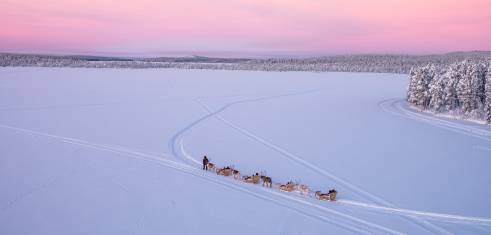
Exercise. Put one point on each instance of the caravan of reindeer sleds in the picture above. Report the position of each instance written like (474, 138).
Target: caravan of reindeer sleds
(267, 181)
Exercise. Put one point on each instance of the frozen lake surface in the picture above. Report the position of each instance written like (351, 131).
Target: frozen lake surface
(118, 151)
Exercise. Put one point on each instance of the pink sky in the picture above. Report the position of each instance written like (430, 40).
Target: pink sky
(238, 27)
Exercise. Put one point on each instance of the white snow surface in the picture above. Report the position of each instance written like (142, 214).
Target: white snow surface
(118, 151)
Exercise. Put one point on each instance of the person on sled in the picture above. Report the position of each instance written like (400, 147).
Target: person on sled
(205, 163)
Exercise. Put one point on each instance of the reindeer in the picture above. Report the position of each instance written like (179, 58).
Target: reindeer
(252, 179)
(267, 181)
(235, 172)
(304, 189)
(332, 194)
(211, 166)
(288, 187)
(322, 196)
(226, 171)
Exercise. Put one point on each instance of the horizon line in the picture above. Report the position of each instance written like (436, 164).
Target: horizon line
(221, 54)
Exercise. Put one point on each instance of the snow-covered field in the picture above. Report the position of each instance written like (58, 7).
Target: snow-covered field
(118, 151)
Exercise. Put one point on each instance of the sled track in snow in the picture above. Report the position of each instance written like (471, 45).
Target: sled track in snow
(353, 224)
(176, 143)
(424, 224)
(428, 215)
(238, 186)
(321, 213)
(399, 108)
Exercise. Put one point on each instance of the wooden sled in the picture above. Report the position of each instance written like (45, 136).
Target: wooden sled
(331, 196)
(289, 187)
(224, 171)
(252, 179)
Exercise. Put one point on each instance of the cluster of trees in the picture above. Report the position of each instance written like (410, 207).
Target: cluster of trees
(462, 89)
(346, 63)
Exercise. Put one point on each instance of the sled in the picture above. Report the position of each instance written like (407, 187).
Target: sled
(331, 196)
(303, 189)
(252, 179)
(289, 187)
(224, 172)
(322, 196)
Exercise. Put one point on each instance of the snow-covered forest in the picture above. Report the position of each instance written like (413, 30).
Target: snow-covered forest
(461, 89)
(343, 63)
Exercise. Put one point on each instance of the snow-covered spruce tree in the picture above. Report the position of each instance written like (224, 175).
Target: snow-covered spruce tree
(478, 85)
(412, 91)
(418, 89)
(463, 88)
(437, 91)
(450, 91)
(470, 89)
(488, 94)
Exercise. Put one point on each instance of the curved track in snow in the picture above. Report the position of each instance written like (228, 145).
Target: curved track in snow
(177, 147)
(293, 202)
(315, 211)
(323, 213)
(400, 108)
(422, 223)
(423, 214)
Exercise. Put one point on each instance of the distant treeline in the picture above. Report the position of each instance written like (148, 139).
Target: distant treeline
(346, 63)
(461, 89)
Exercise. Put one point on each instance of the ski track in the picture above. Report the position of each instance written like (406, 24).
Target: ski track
(176, 142)
(395, 106)
(301, 200)
(428, 215)
(176, 138)
(206, 176)
(353, 223)
(424, 224)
